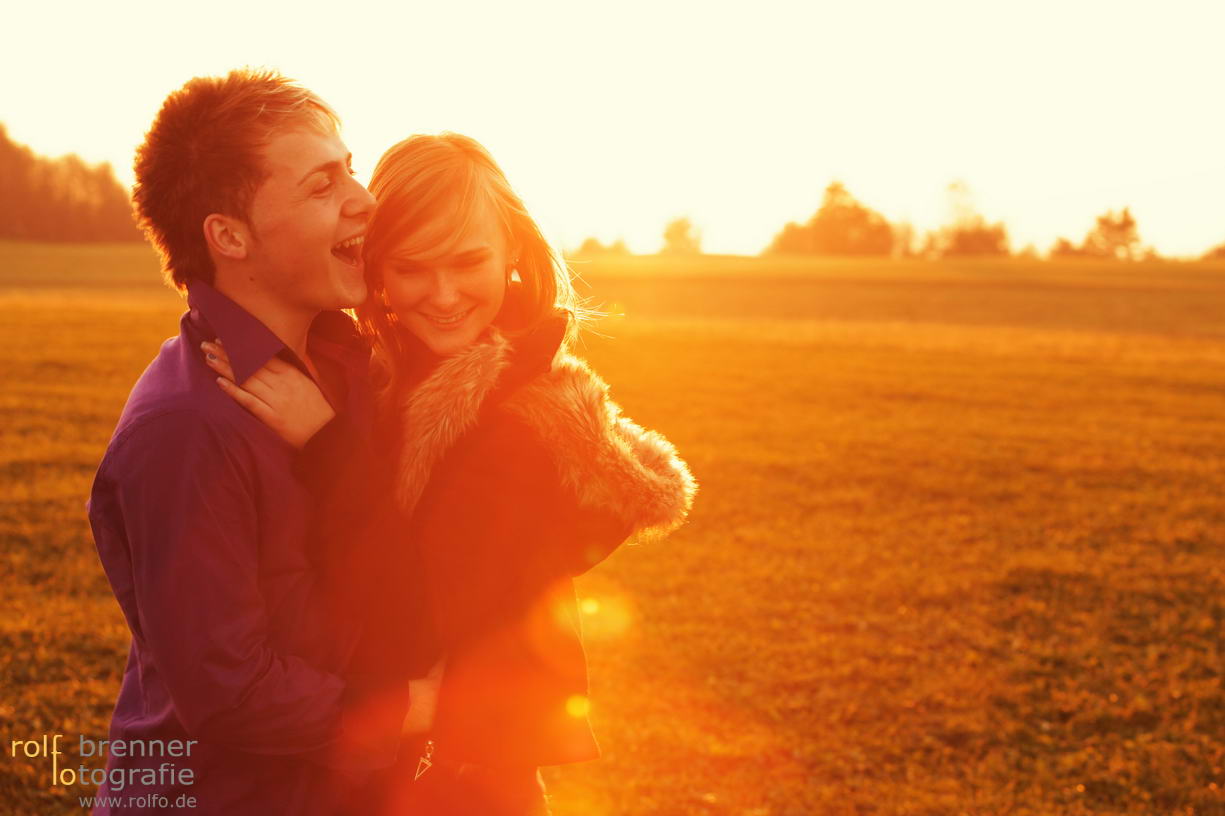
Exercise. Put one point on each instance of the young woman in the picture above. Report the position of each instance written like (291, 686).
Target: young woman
(508, 470)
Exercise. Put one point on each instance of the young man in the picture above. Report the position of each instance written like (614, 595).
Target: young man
(199, 516)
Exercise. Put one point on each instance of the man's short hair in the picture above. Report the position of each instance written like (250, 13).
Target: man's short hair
(203, 155)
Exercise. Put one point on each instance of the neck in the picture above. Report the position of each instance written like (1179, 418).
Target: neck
(289, 323)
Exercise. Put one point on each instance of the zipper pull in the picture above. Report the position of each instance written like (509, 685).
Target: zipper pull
(424, 763)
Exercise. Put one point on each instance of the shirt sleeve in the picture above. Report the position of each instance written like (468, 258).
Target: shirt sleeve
(188, 507)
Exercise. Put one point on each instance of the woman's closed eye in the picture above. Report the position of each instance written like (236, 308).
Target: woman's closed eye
(408, 270)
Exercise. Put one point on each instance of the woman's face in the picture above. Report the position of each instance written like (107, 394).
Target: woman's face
(449, 295)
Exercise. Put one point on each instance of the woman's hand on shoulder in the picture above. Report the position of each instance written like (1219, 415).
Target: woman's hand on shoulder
(279, 395)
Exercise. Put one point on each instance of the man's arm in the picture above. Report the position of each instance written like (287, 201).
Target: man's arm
(188, 507)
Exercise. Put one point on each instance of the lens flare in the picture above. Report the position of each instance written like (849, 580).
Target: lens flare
(578, 705)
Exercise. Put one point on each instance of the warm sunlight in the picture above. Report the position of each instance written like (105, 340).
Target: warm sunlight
(862, 453)
(613, 121)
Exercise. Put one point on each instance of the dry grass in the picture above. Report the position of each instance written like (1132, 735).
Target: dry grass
(958, 547)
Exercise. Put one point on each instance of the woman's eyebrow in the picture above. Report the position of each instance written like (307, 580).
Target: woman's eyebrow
(476, 253)
(471, 254)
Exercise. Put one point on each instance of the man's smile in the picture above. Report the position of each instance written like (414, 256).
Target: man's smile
(350, 250)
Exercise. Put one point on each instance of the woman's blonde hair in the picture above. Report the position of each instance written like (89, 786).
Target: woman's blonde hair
(425, 175)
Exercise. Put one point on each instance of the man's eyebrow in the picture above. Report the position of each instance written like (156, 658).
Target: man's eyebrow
(329, 166)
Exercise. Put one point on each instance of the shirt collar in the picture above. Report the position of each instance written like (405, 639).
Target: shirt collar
(248, 342)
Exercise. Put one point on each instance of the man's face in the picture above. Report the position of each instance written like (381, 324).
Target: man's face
(309, 219)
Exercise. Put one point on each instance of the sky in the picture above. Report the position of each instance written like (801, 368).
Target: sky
(610, 119)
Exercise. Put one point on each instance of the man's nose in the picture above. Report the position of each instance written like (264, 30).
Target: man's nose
(361, 203)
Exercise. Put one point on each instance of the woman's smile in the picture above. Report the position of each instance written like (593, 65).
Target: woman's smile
(447, 322)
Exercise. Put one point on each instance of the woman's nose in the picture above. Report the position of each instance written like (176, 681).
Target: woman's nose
(444, 294)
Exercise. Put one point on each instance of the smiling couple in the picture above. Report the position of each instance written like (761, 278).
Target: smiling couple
(345, 548)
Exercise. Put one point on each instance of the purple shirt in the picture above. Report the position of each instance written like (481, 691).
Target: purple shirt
(202, 526)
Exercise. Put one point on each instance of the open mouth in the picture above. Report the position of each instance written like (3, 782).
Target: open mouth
(450, 320)
(350, 250)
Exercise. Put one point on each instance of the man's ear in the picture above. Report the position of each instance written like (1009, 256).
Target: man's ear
(227, 236)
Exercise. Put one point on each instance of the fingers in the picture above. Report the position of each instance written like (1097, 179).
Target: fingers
(266, 388)
(274, 385)
(260, 384)
(218, 348)
(278, 366)
(269, 376)
(281, 377)
(216, 359)
(246, 399)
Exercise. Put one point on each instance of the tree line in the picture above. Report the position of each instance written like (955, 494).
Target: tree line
(65, 199)
(843, 226)
(62, 199)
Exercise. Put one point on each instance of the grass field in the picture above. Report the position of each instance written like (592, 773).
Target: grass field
(958, 550)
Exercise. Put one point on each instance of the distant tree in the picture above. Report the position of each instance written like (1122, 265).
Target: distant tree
(1063, 248)
(1114, 236)
(904, 240)
(592, 248)
(971, 238)
(1215, 254)
(968, 234)
(841, 226)
(60, 199)
(681, 237)
(792, 240)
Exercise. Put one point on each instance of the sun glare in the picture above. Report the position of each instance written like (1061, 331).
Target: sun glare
(578, 705)
(1048, 126)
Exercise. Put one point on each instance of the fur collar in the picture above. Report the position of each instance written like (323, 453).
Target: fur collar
(606, 460)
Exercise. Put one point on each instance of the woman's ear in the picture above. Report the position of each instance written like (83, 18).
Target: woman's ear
(228, 237)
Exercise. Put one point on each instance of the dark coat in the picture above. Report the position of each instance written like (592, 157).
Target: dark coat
(510, 493)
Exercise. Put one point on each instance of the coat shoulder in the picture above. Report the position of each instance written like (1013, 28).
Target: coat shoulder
(560, 424)
(603, 458)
